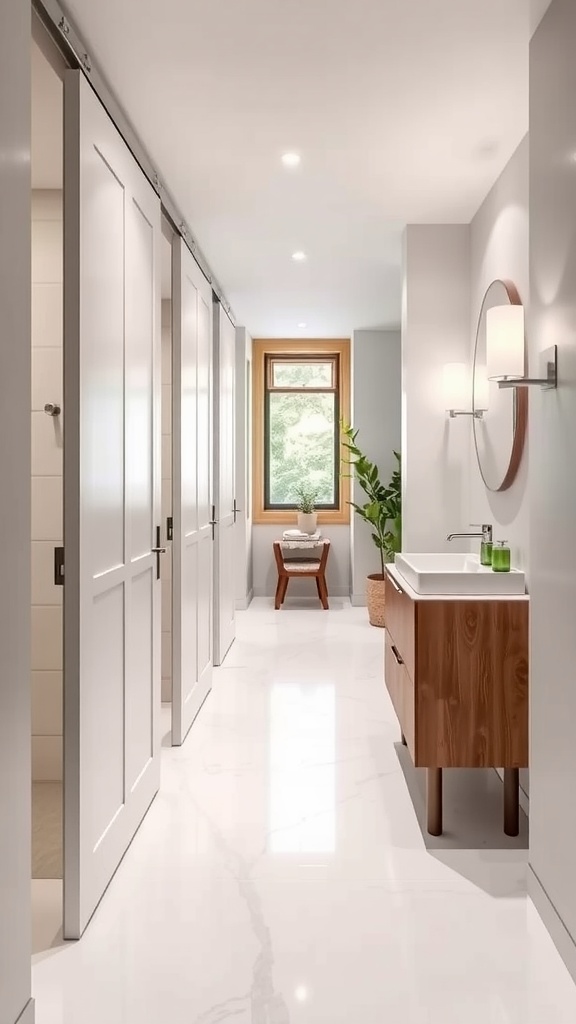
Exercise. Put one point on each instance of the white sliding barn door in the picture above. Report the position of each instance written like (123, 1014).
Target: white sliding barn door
(224, 484)
(112, 500)
(192, 545)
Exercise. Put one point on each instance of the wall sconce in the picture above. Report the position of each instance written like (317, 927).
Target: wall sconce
(458, 391)
(505, 347)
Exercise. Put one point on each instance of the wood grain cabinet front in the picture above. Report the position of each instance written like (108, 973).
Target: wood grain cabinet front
(457, 674)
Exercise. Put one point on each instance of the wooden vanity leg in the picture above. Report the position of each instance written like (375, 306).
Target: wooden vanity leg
(511, 801)
(434, 800)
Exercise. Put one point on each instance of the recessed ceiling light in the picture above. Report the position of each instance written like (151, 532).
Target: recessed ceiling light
(302, 325)
(299, 256)
(291, 159)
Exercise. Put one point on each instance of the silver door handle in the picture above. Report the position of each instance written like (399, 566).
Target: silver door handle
(158, 550)
(235, 510)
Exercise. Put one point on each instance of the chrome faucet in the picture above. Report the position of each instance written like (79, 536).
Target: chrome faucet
(485, 535)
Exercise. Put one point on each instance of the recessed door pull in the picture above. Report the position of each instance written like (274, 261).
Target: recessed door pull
(396, 655)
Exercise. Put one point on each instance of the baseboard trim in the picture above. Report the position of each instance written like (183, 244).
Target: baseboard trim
(358, 600)
(27, 1015)
(554, 924)
(242, 603)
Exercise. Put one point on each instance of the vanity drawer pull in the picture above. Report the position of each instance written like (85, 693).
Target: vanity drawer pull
(394, 584)
(396, 655)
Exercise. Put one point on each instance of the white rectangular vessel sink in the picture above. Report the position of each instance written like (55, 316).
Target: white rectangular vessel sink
(452, 574)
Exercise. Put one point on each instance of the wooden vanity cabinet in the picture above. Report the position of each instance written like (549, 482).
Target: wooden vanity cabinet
(457, 673)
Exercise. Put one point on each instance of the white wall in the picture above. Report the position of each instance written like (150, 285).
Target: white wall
(47, 494)
(499, 249)
(244, 583)
(435, 331)
(15, 368)
(552, 484)
(376, 413)
(166, 563)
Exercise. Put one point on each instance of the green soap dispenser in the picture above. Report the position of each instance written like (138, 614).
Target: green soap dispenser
(501, 556)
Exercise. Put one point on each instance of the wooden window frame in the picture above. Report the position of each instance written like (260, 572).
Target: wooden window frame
(309, 347)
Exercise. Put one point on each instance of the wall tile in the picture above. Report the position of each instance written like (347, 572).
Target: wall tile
(166, 498)
(47, 758)
(47, 251)
(46, 640)
(47, 382)
(47, 315)
(47, 204)
(47, 507)
(47, 704)
(166, 409)
(166, 456)
(42, 575)
(166, 355)
(47, 445)
(166, 565)
(166, 605)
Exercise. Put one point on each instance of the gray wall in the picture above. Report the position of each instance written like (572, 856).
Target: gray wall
(15, 352)
(552, 485)
(376, 413)
(499, 249)
(243, 467)
(435, 331)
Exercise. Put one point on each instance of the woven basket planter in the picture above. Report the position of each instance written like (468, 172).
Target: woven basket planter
(376, 599)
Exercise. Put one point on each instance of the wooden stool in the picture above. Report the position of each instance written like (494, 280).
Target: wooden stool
(315, 568)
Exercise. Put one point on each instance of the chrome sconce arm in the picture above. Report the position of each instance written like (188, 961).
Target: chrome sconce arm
(548, 380)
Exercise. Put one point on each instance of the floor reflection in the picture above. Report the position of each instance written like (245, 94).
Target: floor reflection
(302, 768)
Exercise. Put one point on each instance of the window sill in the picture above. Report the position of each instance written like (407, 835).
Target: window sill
(340, 517)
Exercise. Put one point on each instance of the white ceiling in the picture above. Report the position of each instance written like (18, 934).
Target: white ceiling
(404, 111)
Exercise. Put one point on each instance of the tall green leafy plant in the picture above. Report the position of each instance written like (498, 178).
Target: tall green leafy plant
(383, 509)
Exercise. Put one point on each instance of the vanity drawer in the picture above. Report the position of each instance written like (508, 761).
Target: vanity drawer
(401, 690)
(400, 623)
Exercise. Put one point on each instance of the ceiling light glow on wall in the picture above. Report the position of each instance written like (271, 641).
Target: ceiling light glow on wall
(291, 159)
(506, 346)
(457, 389)
(299, 256)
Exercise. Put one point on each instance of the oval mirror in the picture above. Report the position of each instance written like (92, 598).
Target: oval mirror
(500, 414)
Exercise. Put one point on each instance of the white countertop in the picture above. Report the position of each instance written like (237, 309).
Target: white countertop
(393, 571)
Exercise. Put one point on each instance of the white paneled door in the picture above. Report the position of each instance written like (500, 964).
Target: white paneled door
(112, 500)
(193, 513)
(224, 484)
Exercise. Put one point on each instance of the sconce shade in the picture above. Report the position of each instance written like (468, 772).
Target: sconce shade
(457, 389)
(505, 342)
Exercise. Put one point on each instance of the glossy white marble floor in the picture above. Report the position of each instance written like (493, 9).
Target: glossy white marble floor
(281, 877)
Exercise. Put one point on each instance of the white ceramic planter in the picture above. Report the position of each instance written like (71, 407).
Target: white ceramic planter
(307, 522)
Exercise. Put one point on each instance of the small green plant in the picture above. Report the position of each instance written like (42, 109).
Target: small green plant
(383, 510)
(307, 499)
